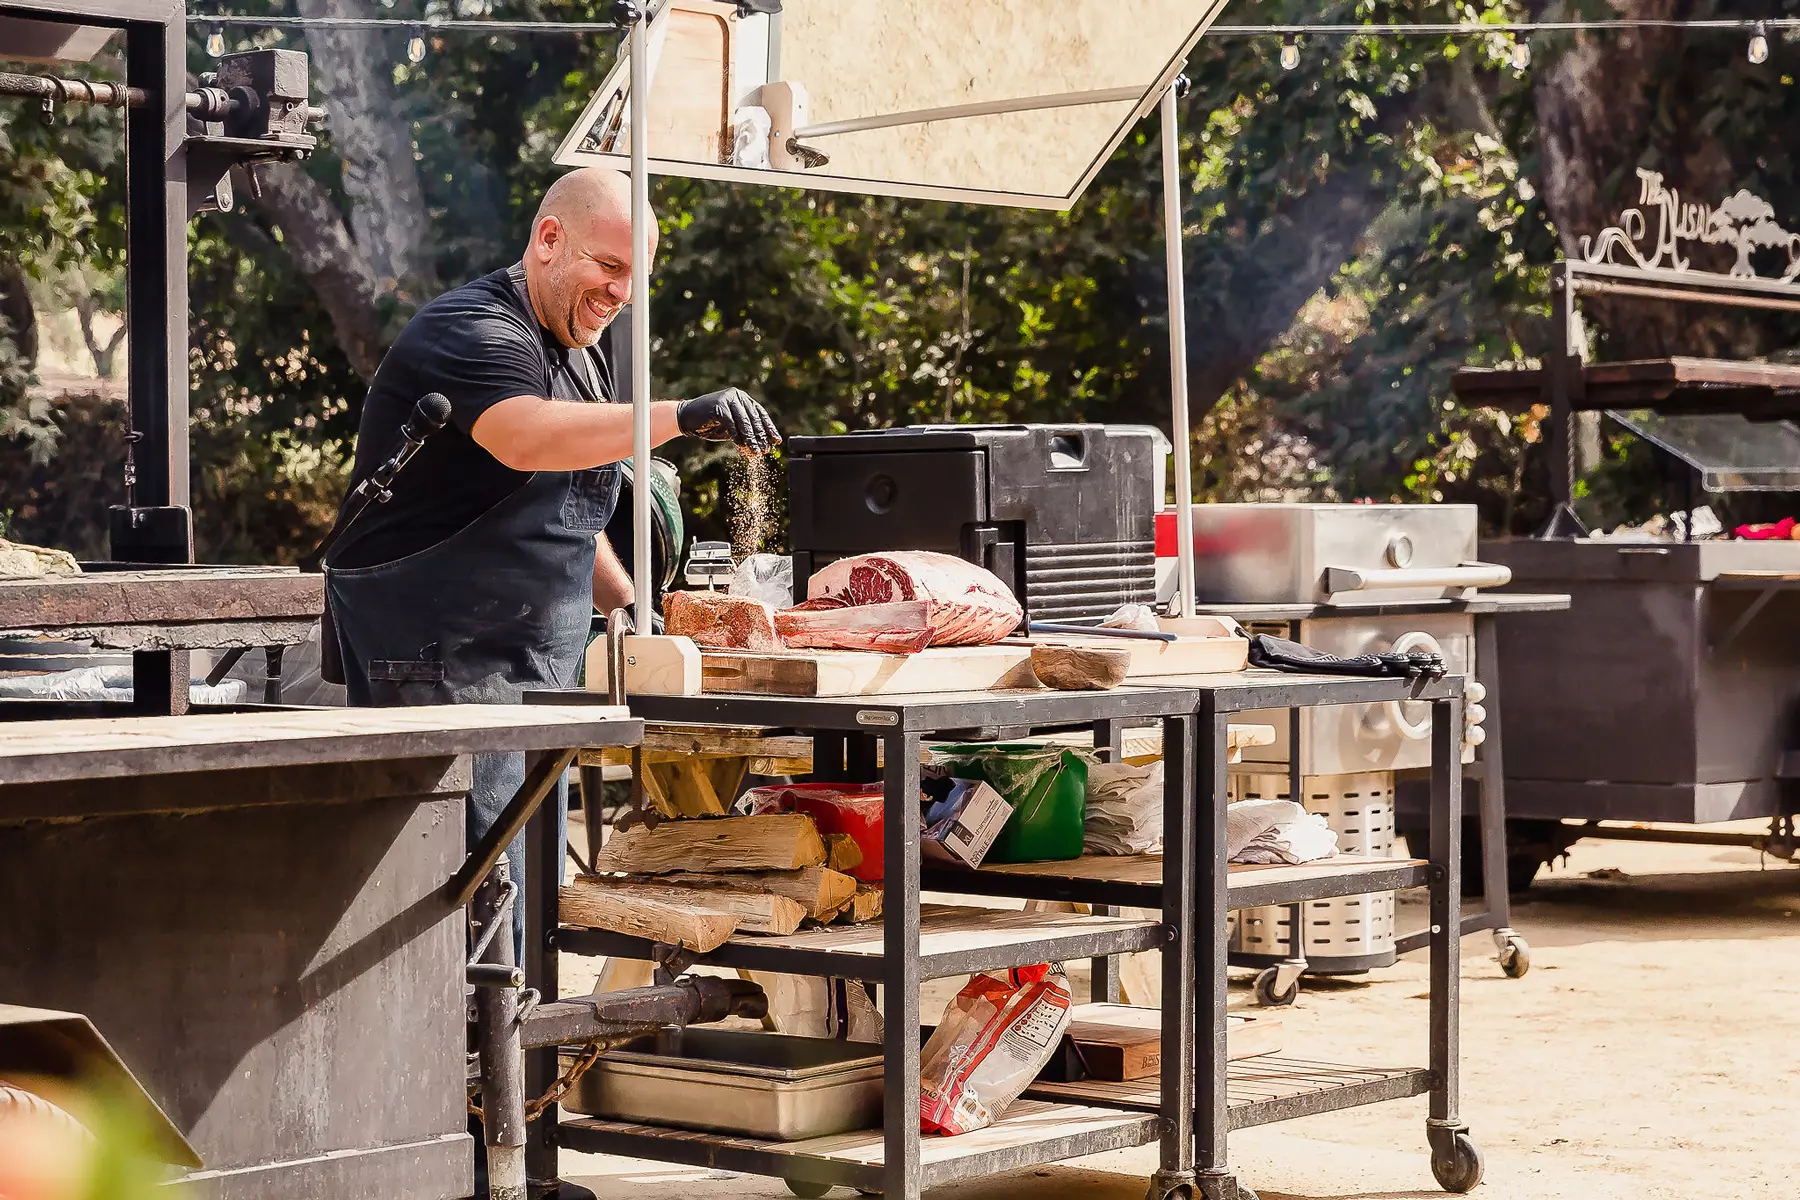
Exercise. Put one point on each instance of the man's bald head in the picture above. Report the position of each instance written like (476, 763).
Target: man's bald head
(578, 264)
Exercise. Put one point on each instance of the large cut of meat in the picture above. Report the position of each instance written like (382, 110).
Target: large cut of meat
(721, 621)
(903, 627)
(967, 605)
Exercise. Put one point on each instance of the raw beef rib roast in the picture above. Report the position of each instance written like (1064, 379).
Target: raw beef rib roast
(903, 627)
(967, 605)
(720, 621)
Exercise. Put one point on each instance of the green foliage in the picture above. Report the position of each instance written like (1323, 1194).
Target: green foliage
(1357, 229)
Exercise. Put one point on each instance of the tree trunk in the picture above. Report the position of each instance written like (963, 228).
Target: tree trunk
(1606, 104)
(17, 315)
(374, 142)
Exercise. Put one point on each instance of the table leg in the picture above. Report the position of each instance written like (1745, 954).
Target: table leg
(859, 758)
(828, 757)
(159, 682)
(1210, 940)
(1181, 804)
(902, 1173)
(1515, 956)
(543, 878)
(1104, 979)
(1453, 1157)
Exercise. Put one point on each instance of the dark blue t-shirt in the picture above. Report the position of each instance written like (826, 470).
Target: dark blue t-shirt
(478, 344)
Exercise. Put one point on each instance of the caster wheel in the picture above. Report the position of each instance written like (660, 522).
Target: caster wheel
(807, 1191)
(1268, 997)
(1515, 958)
(1460, 1170)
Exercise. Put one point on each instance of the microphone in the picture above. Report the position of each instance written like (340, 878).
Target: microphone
(428, 416)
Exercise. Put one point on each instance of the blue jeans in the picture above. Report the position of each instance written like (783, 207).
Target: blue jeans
(498, 778)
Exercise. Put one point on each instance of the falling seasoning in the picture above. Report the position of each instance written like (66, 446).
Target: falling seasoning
(748, 486)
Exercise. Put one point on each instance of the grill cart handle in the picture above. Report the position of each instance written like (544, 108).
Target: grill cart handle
(1367, 579)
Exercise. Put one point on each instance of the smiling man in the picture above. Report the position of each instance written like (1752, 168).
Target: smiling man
(477, 579)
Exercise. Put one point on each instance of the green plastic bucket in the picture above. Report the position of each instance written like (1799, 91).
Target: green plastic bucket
(1047, 788)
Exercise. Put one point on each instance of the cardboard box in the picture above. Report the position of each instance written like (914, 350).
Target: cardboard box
(963, 826)
(1120, 1042)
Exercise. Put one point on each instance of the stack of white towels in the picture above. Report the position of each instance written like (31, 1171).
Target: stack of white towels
(1125, 816)
(1124, 809)
(1276, 831)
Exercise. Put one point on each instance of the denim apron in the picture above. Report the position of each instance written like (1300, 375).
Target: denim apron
(500, 607)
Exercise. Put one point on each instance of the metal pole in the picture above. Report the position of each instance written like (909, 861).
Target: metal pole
(498, 1048)
(1178, 376)
(640, 322)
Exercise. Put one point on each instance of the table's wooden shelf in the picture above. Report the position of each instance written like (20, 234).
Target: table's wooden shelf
(952, 941)
(1031, 1133)
(1135, 880)
(1261, 1090)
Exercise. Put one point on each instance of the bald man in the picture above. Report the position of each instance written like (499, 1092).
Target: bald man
(477, 579)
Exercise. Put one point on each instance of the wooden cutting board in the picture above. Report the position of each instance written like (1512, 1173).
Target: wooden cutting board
(1184, 656)
(862, 673)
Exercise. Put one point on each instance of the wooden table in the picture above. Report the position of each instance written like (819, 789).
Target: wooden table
(161, 615)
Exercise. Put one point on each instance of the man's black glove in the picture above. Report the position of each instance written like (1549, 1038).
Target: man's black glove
(728, 415)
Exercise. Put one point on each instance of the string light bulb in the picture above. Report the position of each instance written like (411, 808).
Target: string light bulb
(1290, 52)
(415, 46)
(1759, 44)
(1521, 54)
(215, 41)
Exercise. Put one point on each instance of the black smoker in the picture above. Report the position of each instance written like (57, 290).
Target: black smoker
(1062, 513)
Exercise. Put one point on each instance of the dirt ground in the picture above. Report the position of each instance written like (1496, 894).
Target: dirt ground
(1650, 1054)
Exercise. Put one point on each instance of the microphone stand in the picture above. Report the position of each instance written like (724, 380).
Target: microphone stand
(427, 418)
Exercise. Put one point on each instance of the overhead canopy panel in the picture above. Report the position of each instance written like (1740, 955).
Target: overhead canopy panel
(1014, 102)
(1732, 453)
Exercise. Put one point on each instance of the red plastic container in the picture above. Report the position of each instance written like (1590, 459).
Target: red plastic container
(852, 808)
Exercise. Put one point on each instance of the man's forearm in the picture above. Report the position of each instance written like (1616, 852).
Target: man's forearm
(530, 433)
(612, 580)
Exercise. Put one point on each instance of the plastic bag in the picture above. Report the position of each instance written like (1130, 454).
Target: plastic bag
(1047, 787)
(852, 808)
(811, 1006)
(1124, 809)
(995, 1037)
(1133, 616)
(765, 577)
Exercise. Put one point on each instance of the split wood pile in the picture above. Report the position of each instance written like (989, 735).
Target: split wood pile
(696, 882)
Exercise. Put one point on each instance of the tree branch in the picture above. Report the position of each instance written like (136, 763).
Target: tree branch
(320, 246)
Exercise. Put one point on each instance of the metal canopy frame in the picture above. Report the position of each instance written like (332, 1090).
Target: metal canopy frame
(637, 84)
(1171, 84)
(156, 285)
(1743, 222)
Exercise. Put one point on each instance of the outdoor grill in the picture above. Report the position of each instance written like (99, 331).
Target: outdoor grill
(1685, 651)
(1353, 579)
(1061, 513)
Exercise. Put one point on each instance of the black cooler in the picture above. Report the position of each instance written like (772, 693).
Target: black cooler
(1062, 513)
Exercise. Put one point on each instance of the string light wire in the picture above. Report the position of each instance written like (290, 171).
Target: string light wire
(1338, 29)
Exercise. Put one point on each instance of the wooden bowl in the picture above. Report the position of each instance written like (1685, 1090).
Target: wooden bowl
(1080, 668)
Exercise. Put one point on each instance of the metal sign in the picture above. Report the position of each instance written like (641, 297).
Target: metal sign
(1745, 222)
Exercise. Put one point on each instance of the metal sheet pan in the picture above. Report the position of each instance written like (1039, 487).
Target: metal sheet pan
(761, 1085)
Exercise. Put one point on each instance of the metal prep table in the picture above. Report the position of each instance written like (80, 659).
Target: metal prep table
(1265, 1090)
(1495, 913)
(1197, 1094)
(913, 944)
(258, 911)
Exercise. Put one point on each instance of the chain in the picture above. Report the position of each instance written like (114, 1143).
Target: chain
(569, 1078)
